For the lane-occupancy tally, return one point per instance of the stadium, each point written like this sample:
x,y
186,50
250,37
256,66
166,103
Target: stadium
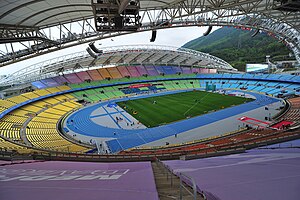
x,y
145,121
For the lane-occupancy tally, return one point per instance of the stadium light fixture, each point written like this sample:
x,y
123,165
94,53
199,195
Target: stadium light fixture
x,y
208,31
153,37
255,33
114,16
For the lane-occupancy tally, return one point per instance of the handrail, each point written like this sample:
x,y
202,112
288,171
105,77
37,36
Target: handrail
x,y
184,144
287,108
181,176
67,137
193,184
53,155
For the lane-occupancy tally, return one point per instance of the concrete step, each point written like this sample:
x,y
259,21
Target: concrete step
x,y
168,186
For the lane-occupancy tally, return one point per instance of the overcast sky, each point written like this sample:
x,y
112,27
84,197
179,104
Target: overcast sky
x,y
175,37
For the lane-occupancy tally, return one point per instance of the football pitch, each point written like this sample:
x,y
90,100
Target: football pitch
x,y
159,110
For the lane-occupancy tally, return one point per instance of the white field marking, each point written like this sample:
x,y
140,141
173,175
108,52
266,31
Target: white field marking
x,y
195,104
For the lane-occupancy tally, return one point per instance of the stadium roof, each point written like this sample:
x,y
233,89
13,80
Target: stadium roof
x,y
40,13
119,55
32,20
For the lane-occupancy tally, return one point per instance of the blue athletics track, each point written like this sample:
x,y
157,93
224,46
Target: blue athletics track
x,y
81,122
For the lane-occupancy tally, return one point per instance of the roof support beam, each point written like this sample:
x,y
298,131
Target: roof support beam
x,y
123,5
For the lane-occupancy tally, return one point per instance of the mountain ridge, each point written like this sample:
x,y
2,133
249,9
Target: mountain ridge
x,y
238,47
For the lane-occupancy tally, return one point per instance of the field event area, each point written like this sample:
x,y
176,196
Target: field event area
x,y
160,110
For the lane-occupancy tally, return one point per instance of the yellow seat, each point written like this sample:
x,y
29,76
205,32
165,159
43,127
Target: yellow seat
x,y
53,90
30,95
63,87
6,104
42,92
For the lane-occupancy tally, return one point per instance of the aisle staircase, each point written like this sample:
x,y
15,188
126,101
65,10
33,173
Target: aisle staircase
x,y
169,186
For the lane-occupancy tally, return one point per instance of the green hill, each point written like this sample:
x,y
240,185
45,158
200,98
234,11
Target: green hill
x,y
237,47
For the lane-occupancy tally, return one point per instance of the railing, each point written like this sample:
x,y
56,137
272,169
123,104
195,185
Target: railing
x,y
190,181
62,133
194,142
6,154
286,109
185,182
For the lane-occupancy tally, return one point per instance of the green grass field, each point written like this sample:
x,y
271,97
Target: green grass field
x,y
175,107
